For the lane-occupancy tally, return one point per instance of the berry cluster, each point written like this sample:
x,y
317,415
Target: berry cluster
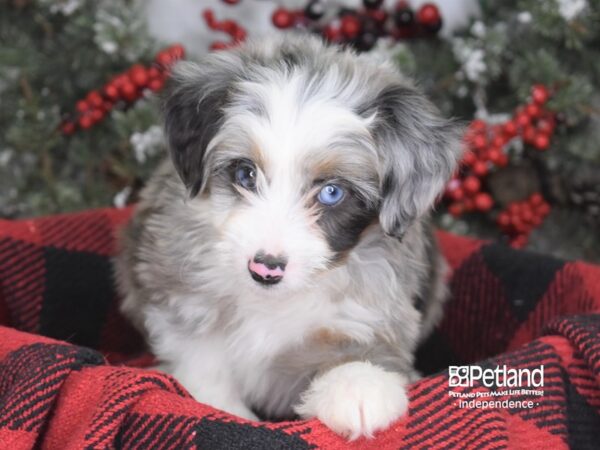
x,y
362,28
486,150
230,27
122,90
358,28
520,218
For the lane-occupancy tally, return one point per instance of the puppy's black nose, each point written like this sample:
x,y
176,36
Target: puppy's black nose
x,y
267,269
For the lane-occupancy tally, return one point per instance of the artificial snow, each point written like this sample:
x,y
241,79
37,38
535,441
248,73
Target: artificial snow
x,y
120,199
570,9
478,29
472,59
146,144
64,7
524,17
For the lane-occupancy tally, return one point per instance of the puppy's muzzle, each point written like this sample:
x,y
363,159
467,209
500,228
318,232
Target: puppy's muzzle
x,y
267,269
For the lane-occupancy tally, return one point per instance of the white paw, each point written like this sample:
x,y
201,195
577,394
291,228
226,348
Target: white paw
x,y
355,399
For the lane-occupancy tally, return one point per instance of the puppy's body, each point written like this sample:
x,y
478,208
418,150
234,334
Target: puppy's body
x,y
334,336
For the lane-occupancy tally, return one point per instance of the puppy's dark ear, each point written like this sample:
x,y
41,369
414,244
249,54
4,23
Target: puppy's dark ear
x,y
192,111
419,151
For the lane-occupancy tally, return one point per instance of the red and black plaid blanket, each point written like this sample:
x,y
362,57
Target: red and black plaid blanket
x,y
68,375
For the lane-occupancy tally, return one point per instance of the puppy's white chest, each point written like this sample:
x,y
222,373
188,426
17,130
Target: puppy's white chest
x,y
263,332
275,351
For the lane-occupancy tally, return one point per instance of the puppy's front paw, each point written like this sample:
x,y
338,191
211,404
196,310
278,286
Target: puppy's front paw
x,y
355,399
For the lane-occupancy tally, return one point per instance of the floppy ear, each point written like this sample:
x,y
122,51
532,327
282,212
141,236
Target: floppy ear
x,y
192,111
419,151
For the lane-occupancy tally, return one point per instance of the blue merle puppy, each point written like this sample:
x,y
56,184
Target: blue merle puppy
x,y
282,261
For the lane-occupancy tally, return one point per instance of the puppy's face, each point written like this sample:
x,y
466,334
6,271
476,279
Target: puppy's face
x,y
293,149
292,186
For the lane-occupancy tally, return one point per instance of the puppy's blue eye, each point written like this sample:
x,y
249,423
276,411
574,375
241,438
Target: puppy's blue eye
x,y
245,176
331,194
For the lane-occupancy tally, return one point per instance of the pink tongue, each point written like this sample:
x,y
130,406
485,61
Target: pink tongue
x,y
264,271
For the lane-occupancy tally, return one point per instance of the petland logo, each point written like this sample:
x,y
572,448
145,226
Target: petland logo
x,y
501,377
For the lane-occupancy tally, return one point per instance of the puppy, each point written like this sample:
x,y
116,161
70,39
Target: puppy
x,y
282,261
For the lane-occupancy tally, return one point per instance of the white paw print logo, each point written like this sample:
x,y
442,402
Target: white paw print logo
x,y
458,376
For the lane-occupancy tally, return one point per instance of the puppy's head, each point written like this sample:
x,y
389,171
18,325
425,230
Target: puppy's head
x,y
293,149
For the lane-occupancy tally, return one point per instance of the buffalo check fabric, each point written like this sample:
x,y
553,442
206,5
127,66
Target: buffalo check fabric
x,y
72,369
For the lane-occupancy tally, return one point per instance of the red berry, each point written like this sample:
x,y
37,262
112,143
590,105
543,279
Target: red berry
x,y
503,220
67,128
510,128
428,14
518,225
231,2
477,125
378,15
479,142
502,160
469,158
332,33
484,201
456,209
457,194
153,73
228,26
282,18
541,141
529,134
120,80
82,106
515,217
239,35
494,155
129,91
546,125
540,94
527,215
522,119
536,199
164,59
138,75
499,141
543,210
469,204
219,45
97,115
533,110
209,18
94,99
480,168
497,130
156,84
107,106
350,26
514,209
177,51
111,91
85,122
471,185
